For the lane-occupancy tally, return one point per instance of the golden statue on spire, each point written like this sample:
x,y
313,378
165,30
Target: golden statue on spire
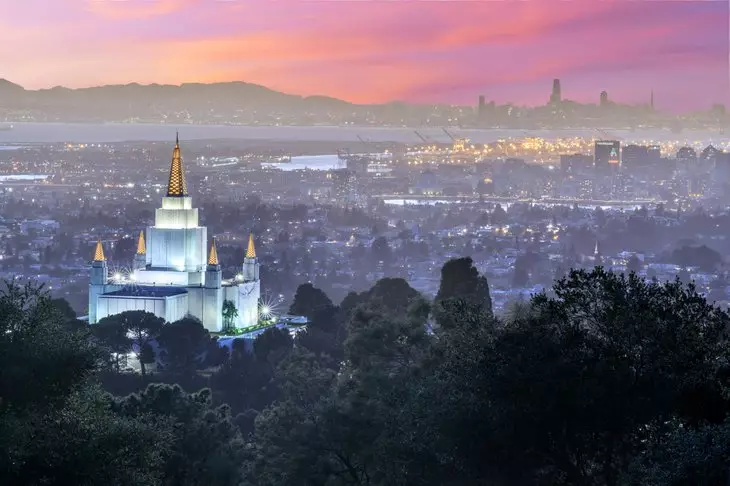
x,y
99,252
213,256
141,247
176,186
251,250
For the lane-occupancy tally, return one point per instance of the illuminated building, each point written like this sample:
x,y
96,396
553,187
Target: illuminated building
x,y
607,154
175,270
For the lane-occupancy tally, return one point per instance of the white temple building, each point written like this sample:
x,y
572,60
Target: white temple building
x,y
171,275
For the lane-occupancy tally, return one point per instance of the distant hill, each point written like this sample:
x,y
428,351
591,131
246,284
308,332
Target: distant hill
x,y
231,102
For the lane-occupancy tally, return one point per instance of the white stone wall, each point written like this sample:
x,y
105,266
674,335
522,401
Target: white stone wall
x,y
176,213
213,309
177,249
170,308
248,303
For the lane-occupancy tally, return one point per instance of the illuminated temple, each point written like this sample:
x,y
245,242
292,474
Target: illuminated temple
x,y
176,271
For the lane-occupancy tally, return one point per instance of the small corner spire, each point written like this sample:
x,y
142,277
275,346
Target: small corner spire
x,y
99,252
213,256
251,250
141,247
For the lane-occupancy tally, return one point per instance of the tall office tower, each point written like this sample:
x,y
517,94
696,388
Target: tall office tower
x,y
604,99
556,96
653,155
482,108
687,155
634,157
576,163
607,155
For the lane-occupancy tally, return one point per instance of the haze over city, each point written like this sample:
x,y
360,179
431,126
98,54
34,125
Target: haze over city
x,y
374,52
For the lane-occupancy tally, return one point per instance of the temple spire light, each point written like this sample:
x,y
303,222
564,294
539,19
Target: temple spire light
x,y
251,250
213,256
176,186
99,252
141,247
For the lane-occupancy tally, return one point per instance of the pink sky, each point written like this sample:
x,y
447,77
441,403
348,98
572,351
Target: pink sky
x,y
371,51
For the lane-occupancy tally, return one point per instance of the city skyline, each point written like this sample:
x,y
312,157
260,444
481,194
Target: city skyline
x,y
414,51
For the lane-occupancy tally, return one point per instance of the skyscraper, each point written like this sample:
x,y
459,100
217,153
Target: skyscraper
x,y
607,154
604,98
482,108
556,96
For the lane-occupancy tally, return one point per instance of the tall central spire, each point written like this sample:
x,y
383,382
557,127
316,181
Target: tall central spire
x,y
176,186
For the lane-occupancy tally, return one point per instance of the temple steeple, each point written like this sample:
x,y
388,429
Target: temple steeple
x,y
213,256
250,263
141,247
99,252
214,278
176,186
251,250
140,258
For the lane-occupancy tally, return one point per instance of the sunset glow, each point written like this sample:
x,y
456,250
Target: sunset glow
x,y
378,51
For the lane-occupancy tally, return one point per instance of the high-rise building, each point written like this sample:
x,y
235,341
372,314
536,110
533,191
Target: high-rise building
x,y
556,96
604,98
607,154
482,108
687,155
634,156
576,163
171,275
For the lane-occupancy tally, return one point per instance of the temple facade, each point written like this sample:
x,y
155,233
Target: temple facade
x,y
171,276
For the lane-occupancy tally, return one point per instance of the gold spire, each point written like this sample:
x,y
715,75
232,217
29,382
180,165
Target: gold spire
x,y
251,250
141,247
99,252
176,186
213,257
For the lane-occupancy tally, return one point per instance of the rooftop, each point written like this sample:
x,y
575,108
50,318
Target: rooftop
x,y
146,291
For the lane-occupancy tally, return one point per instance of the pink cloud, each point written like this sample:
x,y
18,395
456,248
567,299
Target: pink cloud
x,y
380,50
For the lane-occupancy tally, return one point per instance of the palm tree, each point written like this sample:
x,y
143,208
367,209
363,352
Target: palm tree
x,y
229,315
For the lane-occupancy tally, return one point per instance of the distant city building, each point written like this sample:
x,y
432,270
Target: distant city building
x,y
634,156
722,167
607,154
556,96
686,153
709,153
604,98
428,185
576,163
482,108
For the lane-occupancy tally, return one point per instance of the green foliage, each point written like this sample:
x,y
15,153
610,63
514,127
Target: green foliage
x,y
460,279
54,427
205,447
185,343
582,387
42,361
607,380
230,313
139,326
